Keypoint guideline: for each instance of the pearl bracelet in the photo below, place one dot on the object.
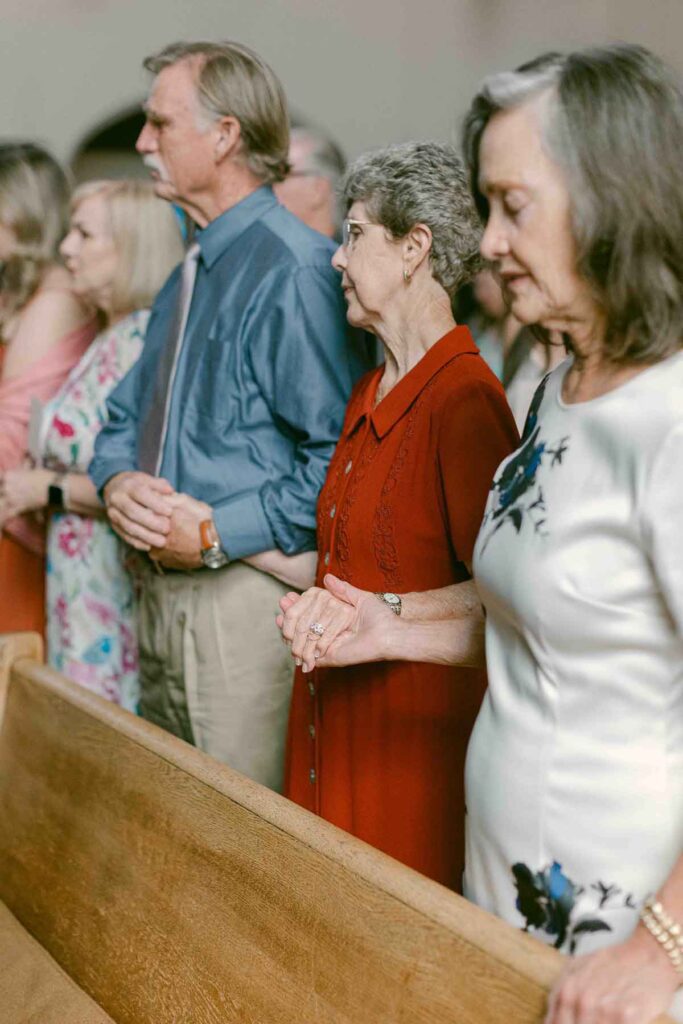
(665, 930)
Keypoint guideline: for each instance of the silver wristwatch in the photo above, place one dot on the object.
(393, 600)
(213, 555)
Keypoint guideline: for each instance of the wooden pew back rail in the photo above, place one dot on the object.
(171, 889)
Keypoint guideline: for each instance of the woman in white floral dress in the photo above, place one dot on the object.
(574, 774)
(122, 244)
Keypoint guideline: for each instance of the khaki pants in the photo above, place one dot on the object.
(213, 669)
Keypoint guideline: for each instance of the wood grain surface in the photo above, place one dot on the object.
(174, 890)
(33, 988)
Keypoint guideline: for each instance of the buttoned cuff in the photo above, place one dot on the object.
(101, 471)
(243, 527)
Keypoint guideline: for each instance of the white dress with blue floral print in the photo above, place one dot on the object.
(575, 766)
(91, 613)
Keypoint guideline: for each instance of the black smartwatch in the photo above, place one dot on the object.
(55, 493)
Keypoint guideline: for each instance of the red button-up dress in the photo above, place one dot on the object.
(379, 749)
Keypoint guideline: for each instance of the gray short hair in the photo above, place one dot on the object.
(614, 124)
(324, 157)
(233, 81)
(421, 183)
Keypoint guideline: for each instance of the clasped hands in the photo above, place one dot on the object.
(355, 625)
(151, 516)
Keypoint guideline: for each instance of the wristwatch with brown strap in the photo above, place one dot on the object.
(213, 555)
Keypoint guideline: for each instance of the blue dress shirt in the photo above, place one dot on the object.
(262, 381)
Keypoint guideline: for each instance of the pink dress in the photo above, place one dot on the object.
(22, 542)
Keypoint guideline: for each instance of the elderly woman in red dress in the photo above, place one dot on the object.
(379, 749)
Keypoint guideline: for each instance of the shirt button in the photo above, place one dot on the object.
(311, 689)
(311, 730)
(311, 775)
(333, 511)
(348, 466)
(326, 559)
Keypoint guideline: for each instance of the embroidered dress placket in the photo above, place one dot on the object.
(334, 513)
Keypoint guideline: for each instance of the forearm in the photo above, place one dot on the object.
(296, 571)
(444, 642)
(458, 601)
(81, 496)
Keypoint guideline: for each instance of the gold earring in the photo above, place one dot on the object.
(406, 276)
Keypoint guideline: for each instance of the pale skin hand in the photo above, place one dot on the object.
(294, 570)
(299, 611)
(458, 601)
(26, 490)
(150, 516)
(374, 633)
(139, 507)
(23, 490)
(369, 635)
(182, 548)
(182, 545)
(631, 983)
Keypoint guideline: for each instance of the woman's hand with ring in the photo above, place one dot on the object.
(319, 607)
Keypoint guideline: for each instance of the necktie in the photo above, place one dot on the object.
(153, 433)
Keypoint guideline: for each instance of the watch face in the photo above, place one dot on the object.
(214, 558)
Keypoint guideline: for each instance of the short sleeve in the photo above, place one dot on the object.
(662, 517)
(477, 432)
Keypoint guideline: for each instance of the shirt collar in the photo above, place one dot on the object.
(215, 238)
(390, 410)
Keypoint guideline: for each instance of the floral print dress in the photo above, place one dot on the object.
(91, 612)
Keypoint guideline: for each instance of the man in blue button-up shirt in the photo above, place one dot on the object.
(253, 405)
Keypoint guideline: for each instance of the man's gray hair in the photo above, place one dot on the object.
(233, 81)
(421, 183)
(614, 125)
(324, 157)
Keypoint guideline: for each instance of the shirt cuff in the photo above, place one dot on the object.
(242, 526)
(101, 471)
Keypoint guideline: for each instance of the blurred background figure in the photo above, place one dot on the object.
(493, 327)
(44, 328)
(310, 191)
(122, 244)
(512, 350)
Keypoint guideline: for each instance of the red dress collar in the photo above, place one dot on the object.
(390, 410)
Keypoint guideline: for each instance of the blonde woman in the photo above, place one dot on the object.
(122, 244)
(44, 330)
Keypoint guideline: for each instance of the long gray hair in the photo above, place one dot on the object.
(614, 125)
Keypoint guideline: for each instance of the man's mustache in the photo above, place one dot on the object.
(152, 164)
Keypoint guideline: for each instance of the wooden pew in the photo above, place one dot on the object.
(171, 889)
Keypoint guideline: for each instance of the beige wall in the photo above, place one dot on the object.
(372, 70)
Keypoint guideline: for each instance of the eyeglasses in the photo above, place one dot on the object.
(350, 231)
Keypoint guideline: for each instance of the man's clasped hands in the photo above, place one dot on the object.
(151, 516)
